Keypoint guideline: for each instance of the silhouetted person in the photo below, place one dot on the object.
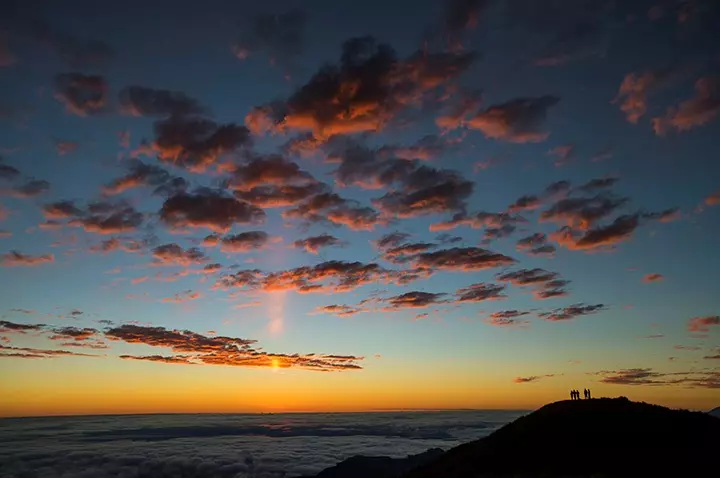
(589, 395)
(585, 393)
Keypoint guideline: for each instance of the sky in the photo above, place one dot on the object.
(233, 206)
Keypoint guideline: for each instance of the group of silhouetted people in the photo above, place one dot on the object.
(575, 394)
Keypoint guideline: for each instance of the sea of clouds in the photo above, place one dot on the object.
(225, 446)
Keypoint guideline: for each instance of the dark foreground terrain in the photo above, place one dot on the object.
(583, 438)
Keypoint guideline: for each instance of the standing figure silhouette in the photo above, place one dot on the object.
(589, 395)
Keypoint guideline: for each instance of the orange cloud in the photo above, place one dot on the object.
(703, 324)
(695, 112)
(14, 259)
(648, 278)
(518, 121)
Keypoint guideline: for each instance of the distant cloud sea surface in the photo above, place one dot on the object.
(225, 446)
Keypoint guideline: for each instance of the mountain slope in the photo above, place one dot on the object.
(589, 438)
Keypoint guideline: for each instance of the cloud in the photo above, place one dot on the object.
(12, 327)
(698, 111)
(331, 208)
(15, 259)
(647, 278)
(547, 284)
(208, 209)
(703, 324)
(195, 348)
(480, 292)
(195, 143)
(564, 154)
(175, 255)
(507, 318)
(66, 147)
(583, 212)
(118, 244)
(635, 88)
(141, 174)
(279, 36)
(535, 245)
(460, 15)
(462, 259)
(313, 244)
(109, 217)
(7, 172)
(647, 376)
(340, 310)
(32, 188)
(403, 253)
(244, 242)
(413, 300)
(711, 200)
(517, 121)
(687, 347)
(82, 95)
(457, 115)
(525, 203)
(532, 378)
(61, 210)
(27, 352)
(142, 101)
(73, 334)
(571, 312)
(598, 183)
(364, 92)
(181, 297)
(491, 220)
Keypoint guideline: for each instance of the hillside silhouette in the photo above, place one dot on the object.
(589, 438)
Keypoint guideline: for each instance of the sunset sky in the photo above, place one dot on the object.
(234, 206)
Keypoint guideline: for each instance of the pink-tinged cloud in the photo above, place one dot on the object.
(313, 244)
(462, 259)
(635, 88)
(18, 259)
(480, 292)
(61, 210)
(698, 111)
(66, 147)
(654, 277)
(508, 318)
(81, 94)
(521, 120)
(571, 312)
(181, 297)
(703, 324)
(175, 255)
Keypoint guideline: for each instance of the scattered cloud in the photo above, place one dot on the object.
(507, 318)
(143, 101)
(703, 324)
(571, 312)
(698, 111)
(313, 244)
(480, 292)
(531, 378)
(654, 277)
(208, 209)
(521, 120)
(635, 88)
(181, 297)
(82, 95)
(175, 255)
(647, 376)
(15, 259)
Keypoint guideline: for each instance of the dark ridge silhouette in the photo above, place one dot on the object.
(589, 438)
(378, 466)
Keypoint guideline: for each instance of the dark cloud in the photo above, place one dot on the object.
(141, 174)
(181, 297)
(109, 217)
(507, 318)
(547, 284)
(175, 255)
(340, 310)
(313, 244)
(61, 210)
(571, 312)
(119, 244)
(209, 209)
(703, 324)
(331, 208)
(142, 101)
(195, 143)
(244, 242)
(413, 300)
(698, 111)
(414, 188)
(426, 148)
(462, 259)
(532, 378)
(521, 120)
(9, 327)
(599, 183)
(364, 92)
(73, 333)
(647, 376)
(279, 36)
(64, 147)
(480, 292)
(28, 352)
(403, 253)
(82, 95)
(15, 259)
(535, 245)
(461, 15)
(583, 212)
(32, 188)
(494, 221)
(391, 239)
(195, 348)
(525, 203)
(8, 172)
